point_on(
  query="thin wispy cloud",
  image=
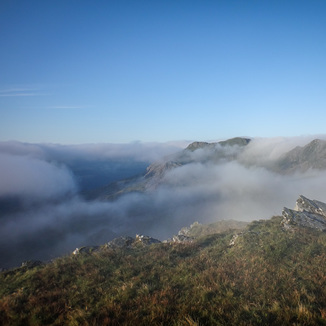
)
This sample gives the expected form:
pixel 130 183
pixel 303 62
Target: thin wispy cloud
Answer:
pixel 18 92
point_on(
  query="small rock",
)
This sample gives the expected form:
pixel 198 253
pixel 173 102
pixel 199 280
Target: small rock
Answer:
pixel 86 250
pixel 180 238
pixel 232 241
pixel 31 263
pixel 146 239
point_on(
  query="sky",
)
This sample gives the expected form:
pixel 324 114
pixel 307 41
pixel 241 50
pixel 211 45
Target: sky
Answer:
pixel 75 72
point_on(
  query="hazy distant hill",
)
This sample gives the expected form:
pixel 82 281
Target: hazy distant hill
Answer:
pixel 196 152
pixel 237 141
pixel 311 156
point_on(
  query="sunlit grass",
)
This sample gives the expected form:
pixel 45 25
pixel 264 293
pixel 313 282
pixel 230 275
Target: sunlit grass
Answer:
pixel 269 277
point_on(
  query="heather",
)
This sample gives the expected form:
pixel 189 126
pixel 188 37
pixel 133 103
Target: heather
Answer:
pixel 263 275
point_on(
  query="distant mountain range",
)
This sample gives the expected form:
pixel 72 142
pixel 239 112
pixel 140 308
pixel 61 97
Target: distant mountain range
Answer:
pixel 299 159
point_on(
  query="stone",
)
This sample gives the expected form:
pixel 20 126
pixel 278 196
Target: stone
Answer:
pixel 180 238
pixel 120 242
pixel 85 250
pixel 126 242
pixel 31 263
pixel 307 213
pixel 311 206
pixel 146 240
pixel 233 240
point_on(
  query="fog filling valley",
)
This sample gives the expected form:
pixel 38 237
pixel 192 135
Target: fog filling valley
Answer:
pixel 43 213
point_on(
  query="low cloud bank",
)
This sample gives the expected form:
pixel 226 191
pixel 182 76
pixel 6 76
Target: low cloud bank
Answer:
pixel 233 191
pixel 34 178
pixel 27 166
pixel 66 154
pixel 203 192
pixel 265 151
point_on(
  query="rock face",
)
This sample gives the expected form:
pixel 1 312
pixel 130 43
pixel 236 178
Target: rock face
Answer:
pixel 307 213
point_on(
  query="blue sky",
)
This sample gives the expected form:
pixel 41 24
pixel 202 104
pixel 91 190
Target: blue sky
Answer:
pixel 120 71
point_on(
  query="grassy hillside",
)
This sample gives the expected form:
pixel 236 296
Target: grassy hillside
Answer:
pixel 263 275
pixel 197 229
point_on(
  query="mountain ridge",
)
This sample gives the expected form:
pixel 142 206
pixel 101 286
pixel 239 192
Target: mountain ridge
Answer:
pixel 299 159
pixel 302 158
pixel 155 171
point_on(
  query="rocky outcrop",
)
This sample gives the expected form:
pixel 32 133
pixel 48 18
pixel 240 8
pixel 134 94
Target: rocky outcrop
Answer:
pixel 307 213
pixel 145 240
pixel 181 238
pixel 120 242
pixel 128 242
pixel 85 250
pixel 186 231
pixel 234 239
pixel 311 206
pixel 31 263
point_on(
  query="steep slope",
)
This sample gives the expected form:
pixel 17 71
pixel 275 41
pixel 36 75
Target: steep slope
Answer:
pixel 311 156
pixel 265 274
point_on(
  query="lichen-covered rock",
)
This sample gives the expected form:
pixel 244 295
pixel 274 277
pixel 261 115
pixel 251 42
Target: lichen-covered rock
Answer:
pixel 126 242
pixel 186 230
pixel 180 238
pixel 31 263
pixel 307 213
pixel 311 206
pixel 121 242
pixel 85 250
pixel 146 240
pixel 233 240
